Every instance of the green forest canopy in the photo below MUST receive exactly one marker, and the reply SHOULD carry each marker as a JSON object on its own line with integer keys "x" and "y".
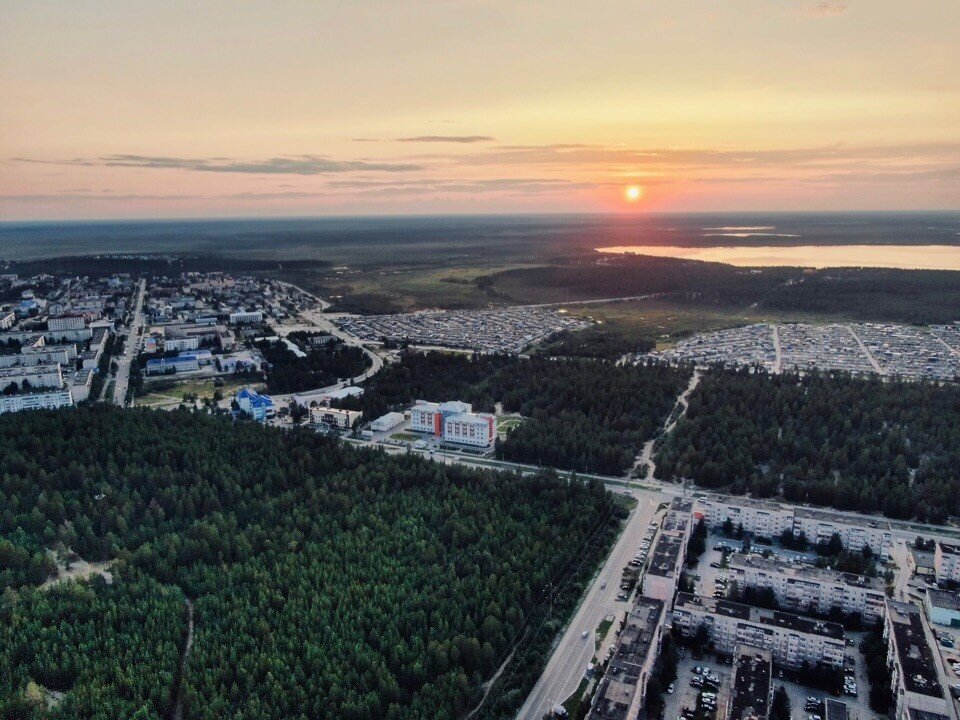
{"x": 853, "y": 443}
{"x": 328, "y": 582}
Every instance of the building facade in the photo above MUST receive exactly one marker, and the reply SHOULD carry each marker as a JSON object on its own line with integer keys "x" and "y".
{"x": 622, "y": 692}
{"x": 810, "y": 589}
{"x": 770, "y": 520}
{"x": 946, "y": 563}
{"x": 914, "y": 678}
{"x": 35, "y": 401}
{"x": 259, "y": 407}
{"x": 662, "y": 574}
{"x": 792, "y": 640}
{"x": 343, "y": 419}
{"x": 453, "y": 422}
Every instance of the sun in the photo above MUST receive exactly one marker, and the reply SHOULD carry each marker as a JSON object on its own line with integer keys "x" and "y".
{"x": 633, "y": 193}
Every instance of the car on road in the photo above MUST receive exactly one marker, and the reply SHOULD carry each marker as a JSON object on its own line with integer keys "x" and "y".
{"x": 603, "y": 585}
{"x": 584, "y": 634}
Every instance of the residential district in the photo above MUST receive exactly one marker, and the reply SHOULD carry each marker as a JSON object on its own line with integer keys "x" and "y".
{"x": 723, "y": 605}
{"x": 882, "y": 348}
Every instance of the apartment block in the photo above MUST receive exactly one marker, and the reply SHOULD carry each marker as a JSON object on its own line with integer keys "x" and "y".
{"x": 792, "y": 640}
{"x": 622, "y": 693}
{"x": 946, "y": 563}
{"x": 662, "y": 575}
{"x": 809, "y": 589}
{"x": 35, "y": 401}
{"x": 770, "y": 519}
{"x": 752, "y": 692}
{"x": 35, "y": 376}
{"x": 915, "y": 680}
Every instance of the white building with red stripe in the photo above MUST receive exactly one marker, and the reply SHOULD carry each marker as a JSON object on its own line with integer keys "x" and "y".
{"x": 453, "y": 422}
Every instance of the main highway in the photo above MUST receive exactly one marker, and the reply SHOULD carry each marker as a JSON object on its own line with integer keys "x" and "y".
{"x": 129, "y": 348}
{"x": 574, "y": 652}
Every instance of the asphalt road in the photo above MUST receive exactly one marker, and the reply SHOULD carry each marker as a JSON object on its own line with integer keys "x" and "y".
{"x": 129, "y": 349}
{"x": 573, "y": 653}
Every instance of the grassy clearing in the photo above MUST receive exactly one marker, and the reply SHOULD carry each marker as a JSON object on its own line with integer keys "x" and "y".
{"x": 572, "y": 703}
{"x": 602, "y": 629}
{"x": 508, "y": 424}
{"x": 667, "y": 322}
{"x": 405, "y": 436}
{"x": 200, "y": 388}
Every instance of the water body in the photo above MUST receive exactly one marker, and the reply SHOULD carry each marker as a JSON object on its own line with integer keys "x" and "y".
{"x": 504, "y": 237}
{"x": 907, "y": 257}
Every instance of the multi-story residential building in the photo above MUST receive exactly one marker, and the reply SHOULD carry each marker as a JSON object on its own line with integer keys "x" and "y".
{"x": 7, "y": 319}
{"x": 35, "y": 401}
{"x": 793, "y": 640}
{"x": 946, "y": 563}
{"x": 622, "y": 693}
{"x": 757, "y": 517}
{"x": 67, "y": 322}
{"x": 344, "y": 419}
{"x": 244, "y": 317}
{"x": 809, "y": 589}
{"x": 178, "y": 364}
{"x": 44, "y": 349}
{"x": 752, "y": 691}
{"x": 49, "y": 355}
{"x": 46, "y": 376}
{"x": 80, "y": 384}
{"x": 914, "y": 677}
{"x": 453, "y": 422}
{"x": 662, "y": 575}
{"x": 177, "y": 343}
{"x": 819, "y": 526}
{"x": 771, "y": 519}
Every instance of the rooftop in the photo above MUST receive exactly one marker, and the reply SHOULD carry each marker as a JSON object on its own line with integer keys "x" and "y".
{"x": 804, "y": 573}
{"x": 944, "y": 599}
{"x": 751, "y": 684}
{"x": 948, "y": 549}
{"x": 619, "y": 685}
{"x": 916, "y": 660}
{"x": 757, "y": 616}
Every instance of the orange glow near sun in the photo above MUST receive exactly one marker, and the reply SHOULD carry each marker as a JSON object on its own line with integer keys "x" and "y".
{"x": 633, "y": 193}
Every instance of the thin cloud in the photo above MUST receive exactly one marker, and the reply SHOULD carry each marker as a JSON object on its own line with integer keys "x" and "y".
{"x": 827, "y": 8}
{"x": 292, "y": 165}
{"x": 462, "y": 139}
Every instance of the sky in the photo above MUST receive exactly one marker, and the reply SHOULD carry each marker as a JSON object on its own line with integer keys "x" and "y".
{"x": 203, "y": 108}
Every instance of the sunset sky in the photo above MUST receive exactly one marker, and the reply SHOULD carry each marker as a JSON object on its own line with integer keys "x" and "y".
{"x": 199, "y": 108}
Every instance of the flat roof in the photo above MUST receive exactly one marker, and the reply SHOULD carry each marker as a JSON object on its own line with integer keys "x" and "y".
{"x": 948, "y": 549}
{"x": 771, "y": 618}
{"x": 751, "y": 684}
{"x": 619, "y": 685}
{"x": 837, "y": 518}
{"x": 919, "y": 669}
{"x": 837, "y": 710}
{"x": 944, "y": 599}
{"x": 806, "y": 573}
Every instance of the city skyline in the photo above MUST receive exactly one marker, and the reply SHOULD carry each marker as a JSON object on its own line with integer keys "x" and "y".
{"x": 294, "y": 108}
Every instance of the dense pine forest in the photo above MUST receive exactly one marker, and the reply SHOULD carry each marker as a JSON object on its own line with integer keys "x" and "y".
{"x": 825, "y": 438}
{"x": 323, "y": 365}
{"x": 585, "y": 415}
{"x": 328, "y": 582}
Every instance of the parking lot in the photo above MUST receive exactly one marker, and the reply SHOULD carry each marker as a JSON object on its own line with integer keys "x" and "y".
{"x": 685, "y": 695}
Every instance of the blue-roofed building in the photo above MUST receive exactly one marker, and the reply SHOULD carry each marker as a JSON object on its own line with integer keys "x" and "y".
{"x": 259, "y": 407}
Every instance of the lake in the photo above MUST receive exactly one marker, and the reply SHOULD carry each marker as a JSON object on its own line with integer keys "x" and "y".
{"x": 907, "y": 257}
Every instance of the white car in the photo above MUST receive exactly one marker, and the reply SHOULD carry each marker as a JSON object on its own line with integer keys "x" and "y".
{"x": 584, "y": 634}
